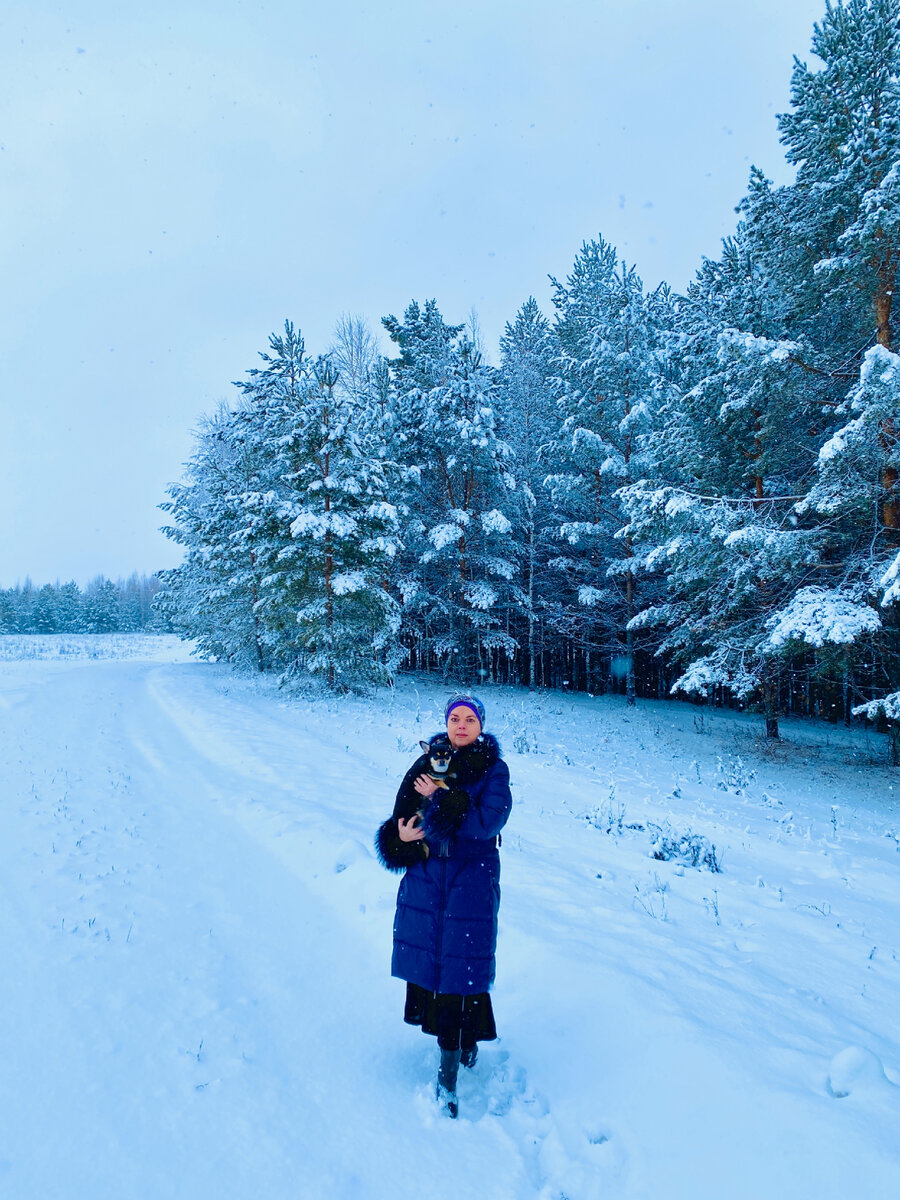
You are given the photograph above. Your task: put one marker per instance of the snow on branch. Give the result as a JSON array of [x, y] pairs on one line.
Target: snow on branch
[[317, 524], [481, 595], [348, 582], [591, 596], [749, 346], [891, 580], [495, 522], [887, 706], [444, 535], [818, 616], [724, 667]]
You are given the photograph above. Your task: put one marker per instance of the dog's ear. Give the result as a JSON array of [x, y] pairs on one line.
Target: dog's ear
[[425, 746]]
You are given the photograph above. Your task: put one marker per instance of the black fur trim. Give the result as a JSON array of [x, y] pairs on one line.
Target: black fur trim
[[445, 814], [471, 762], [392, 852], [447, 810]]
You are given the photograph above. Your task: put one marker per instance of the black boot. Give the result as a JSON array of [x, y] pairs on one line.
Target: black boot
[[446, 1082]]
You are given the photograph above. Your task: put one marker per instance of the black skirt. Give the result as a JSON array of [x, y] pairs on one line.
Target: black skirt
[[458, 1022]]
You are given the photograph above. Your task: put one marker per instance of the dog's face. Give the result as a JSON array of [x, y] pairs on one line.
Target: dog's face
[[439, 752]]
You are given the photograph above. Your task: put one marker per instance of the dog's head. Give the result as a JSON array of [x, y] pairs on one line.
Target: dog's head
[[439, 752]]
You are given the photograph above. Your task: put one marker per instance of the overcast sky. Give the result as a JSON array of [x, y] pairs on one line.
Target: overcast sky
[[177, 182]]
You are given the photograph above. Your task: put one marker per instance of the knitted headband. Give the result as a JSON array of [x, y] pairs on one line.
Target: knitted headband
[[466, 701]]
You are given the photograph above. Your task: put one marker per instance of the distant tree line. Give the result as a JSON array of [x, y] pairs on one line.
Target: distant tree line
[[651, 492], [103, 607]]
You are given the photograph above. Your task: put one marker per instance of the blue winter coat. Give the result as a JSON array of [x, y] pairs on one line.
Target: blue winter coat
[[445, 929]]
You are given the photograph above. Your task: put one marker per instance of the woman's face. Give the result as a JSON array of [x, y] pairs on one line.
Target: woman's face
[[463, 727]]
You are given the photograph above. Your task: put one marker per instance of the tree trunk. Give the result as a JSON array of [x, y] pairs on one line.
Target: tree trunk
[[329, 593], [895, 743], [629, 634], [770, 700], [890, 505], [530, 560], [254, 595]]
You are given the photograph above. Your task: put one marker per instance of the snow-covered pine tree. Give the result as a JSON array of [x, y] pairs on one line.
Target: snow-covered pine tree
[[288, 528], [101, 606], [8, 615], [459, 561], [530, 425], [735, 449], [833, 237], [213, 596], [343, 531], [774, 334], [318, 519], [609, 336], [24, 597], [69, 608], [44, 617], [854, 602]]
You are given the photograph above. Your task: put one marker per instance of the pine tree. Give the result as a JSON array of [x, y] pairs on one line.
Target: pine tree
[[44, 618], [288, 528], [101, 605], [833, 239], [343, 532], [609, 368], [459, 562], [214, 595], [530, 425], [70, 608], [716, 521], [8, 615]]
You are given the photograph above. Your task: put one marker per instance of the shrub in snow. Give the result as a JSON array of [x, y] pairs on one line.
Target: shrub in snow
[[652, 898], [692, 849], [609, 817], [733, 776], [524, 743]]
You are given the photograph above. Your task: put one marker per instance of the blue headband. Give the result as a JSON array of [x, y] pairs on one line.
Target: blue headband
[[466, 701]]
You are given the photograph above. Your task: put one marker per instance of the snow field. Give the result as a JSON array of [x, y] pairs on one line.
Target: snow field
[[197, 943], [16, 647]]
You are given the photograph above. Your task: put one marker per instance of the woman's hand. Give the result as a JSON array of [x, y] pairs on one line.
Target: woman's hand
[[409, 831], [425, 786]]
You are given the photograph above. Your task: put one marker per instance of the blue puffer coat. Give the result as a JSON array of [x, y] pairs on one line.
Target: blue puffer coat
[[445, 930]]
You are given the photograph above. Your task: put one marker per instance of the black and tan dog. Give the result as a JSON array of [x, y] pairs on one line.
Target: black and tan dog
[[439, 752]]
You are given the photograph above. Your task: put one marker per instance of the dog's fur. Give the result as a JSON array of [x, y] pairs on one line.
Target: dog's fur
[[438, 752]]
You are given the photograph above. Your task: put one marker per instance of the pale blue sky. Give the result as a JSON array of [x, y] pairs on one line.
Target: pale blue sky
[[175, 183]]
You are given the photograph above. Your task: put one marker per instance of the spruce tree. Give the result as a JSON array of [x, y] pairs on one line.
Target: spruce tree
[[214, 596], [459, 567], [530, 424], [609, 368]]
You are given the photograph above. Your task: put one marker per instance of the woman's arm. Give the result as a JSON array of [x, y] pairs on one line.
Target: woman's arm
[[487, 818], [394, 851]]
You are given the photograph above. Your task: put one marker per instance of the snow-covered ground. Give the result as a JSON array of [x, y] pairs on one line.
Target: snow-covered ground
[[195, 996], [159, 648]]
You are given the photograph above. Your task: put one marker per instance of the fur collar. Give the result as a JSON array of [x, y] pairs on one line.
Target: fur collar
[[471, 762]]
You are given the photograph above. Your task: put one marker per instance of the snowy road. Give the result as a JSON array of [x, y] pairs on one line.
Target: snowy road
[[195, 940]]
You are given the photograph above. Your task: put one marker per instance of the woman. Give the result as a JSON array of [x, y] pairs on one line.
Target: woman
[[444, 836]]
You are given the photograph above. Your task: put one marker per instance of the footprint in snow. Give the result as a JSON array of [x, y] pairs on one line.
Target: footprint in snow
[[493, 1085], [562, 1159], [350, 852]]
